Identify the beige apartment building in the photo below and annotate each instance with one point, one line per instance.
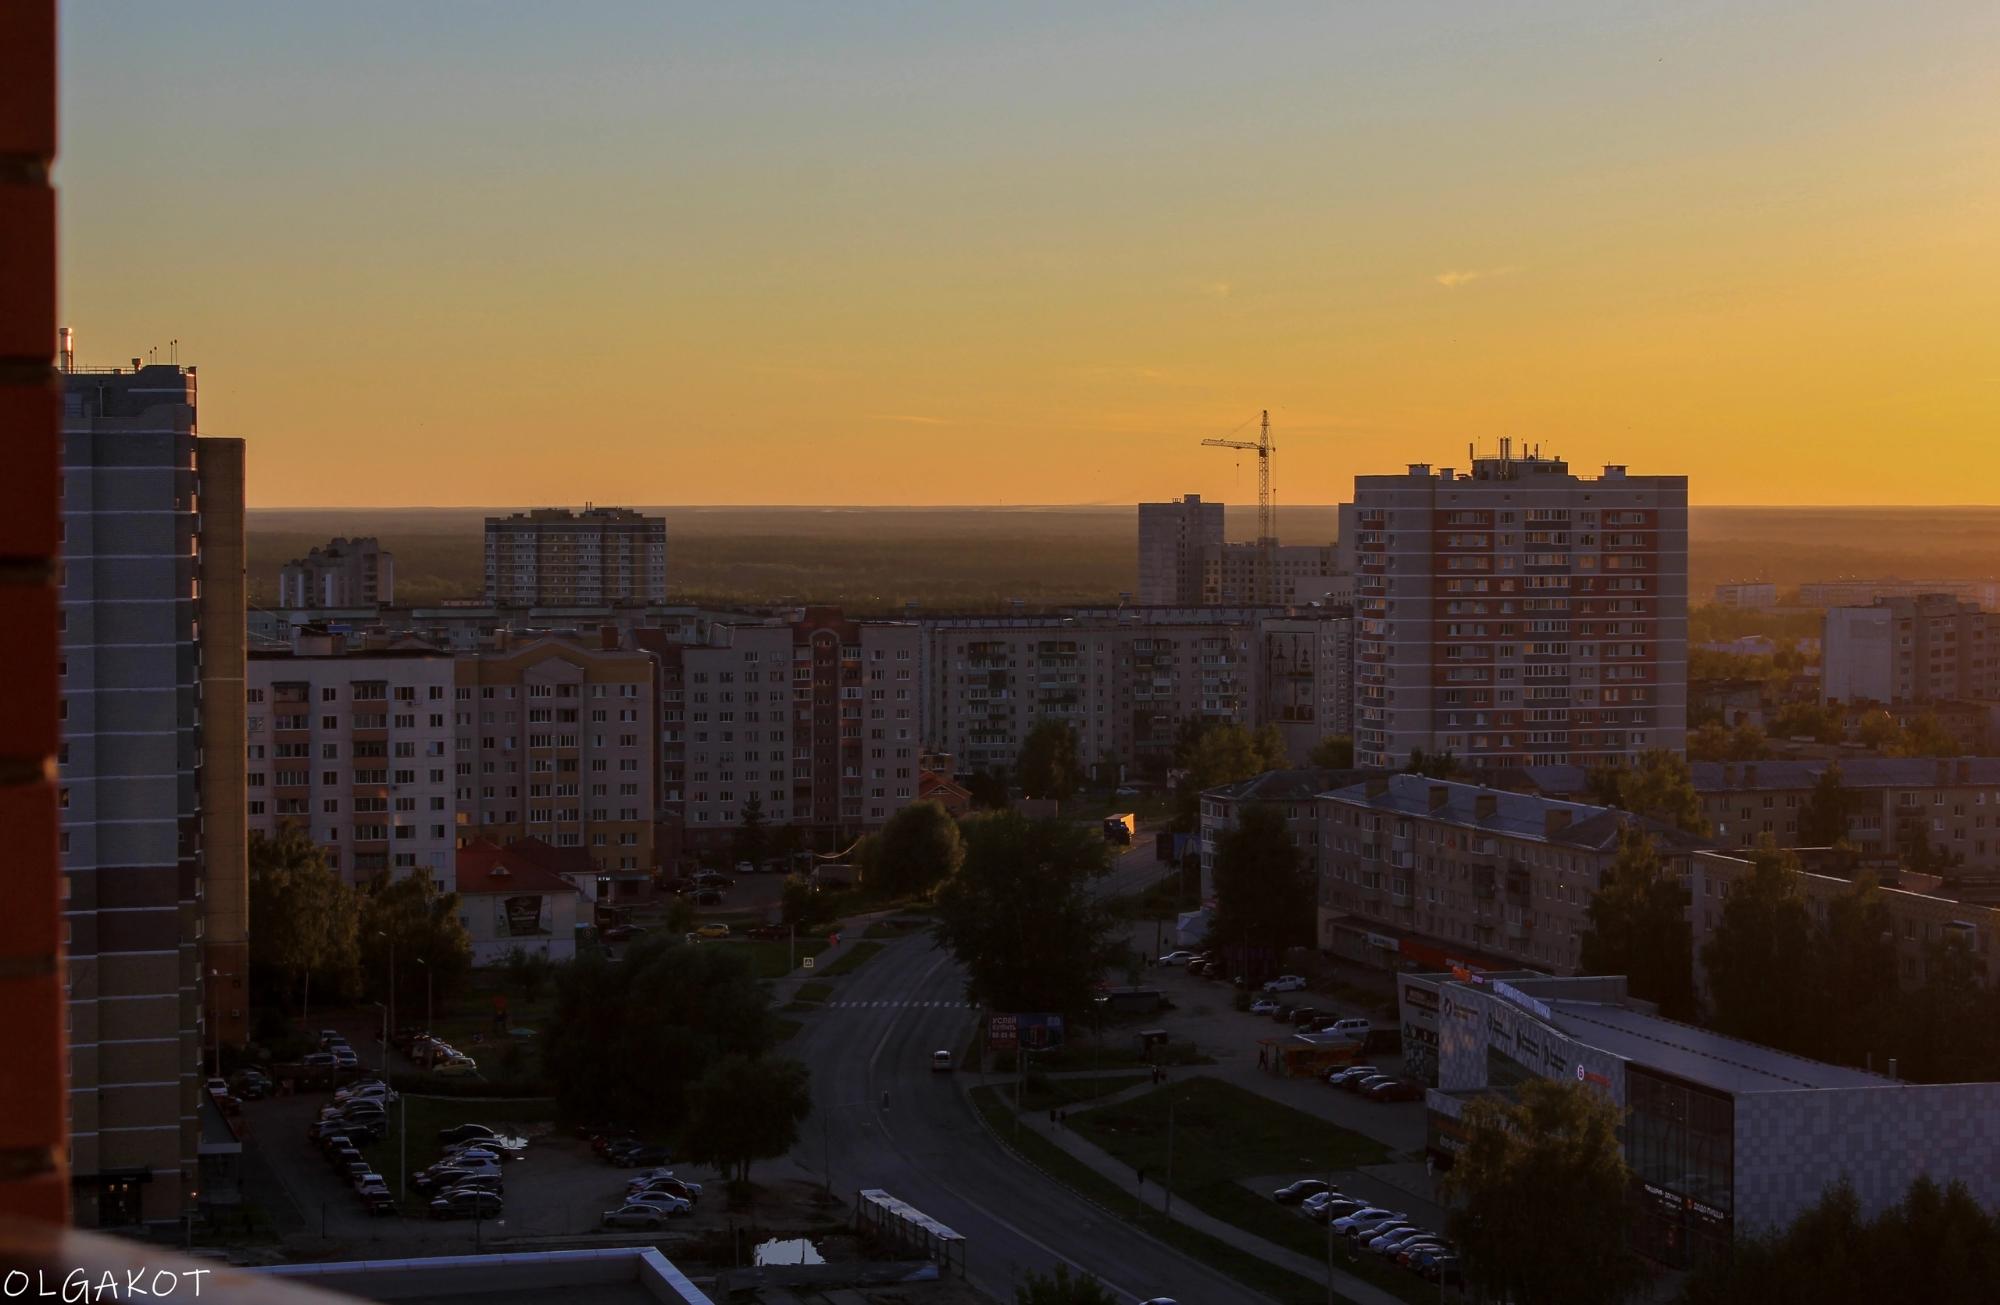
(353, 745)
(552, 557)
(1507, 876)
(555, 738)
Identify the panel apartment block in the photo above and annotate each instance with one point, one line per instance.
(1905, 651)
(554, 740)
(1520, 614)
(353, 746)
(553, 557)
(1175, 542)
(343, 573)
(139, 605)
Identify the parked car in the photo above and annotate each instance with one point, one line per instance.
(1340, 1077)
(620, 932)
(465, 1132)
(318, 1060)
(254, 1085)
(1285, 983)
(608, 1144)
(712, 931)
(1330, 1205)
(1366, 1222)
(456, 1067)
(644, 1217)
(1181, 957)
(642, 1155)
(665, 1202)
(1304, 1017)
(1411, 1254)
(1293, 1193)
(1264, 1006)
(1366, 1081)
(1354, 1030)
(1389, 1233)
(1396, 1089)
(690, 1192)
(766, 932)
(708, 897)
(446, 1177)
(466, 1204)
(641, 1179)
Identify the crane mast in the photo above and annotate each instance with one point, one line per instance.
(1267, 511)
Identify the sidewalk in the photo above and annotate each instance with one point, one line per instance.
(1307, 1267)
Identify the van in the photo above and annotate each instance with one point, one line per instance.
(1354, 1030)
(940, 1062)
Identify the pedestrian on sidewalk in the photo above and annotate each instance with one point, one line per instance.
(1052, 1117)
(1263, 1058)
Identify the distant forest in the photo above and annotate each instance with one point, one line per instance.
(967, 559)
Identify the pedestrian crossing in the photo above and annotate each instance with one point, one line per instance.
(877, 1005)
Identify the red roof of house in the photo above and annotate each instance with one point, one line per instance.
(930, 782)
(485, 867)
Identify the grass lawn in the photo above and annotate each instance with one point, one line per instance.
(1040, 1094)
(1223, 1133)
(426, 1116)
(814, 991)
(786, 1029)
(852, 957)
(772, 959)
(1266, 1279)
(1162, 900)
(1121, 1054)
(471, 1010)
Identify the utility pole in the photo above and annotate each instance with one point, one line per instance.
(1169, 1211)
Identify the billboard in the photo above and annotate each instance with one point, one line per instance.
(525, 916)
(1036, 1032)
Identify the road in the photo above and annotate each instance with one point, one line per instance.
(926, 1147)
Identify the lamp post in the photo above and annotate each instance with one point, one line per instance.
(427, 993)
(389, 1010)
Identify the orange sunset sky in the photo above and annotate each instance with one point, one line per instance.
(924, 253)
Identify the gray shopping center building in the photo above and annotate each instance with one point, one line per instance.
(1723, 1136)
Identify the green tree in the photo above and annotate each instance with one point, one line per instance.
(1748, 742)
(1926, 736)
(1049, 766)
(1759, 962)
(1660, 786)
(751, 839)
(988, 789)
(1060, 1288)
(1019, 914)
(527, 972)
(1823, 820)
(1334, 752)
(303, 916)
(745, 1110)
(1855, 977)
(1709, 743)
(1540, 1192)
(1433, 765)
(628, 1038)
(1219, 754)
(1916, 852)
(1809, 720)
(919, 846)
(1947, 1023)
(1880, 732)
(803, 904)
(1638, 928)
(1264, 890)
(413, 919)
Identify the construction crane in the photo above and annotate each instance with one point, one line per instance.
(1267, 512)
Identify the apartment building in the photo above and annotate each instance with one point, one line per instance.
(1506, 875)
(552, 557)
(554, 738)
(1520, 614)
(152, 818)
(352, 744)
(1294, 793)
(817, 717)
(1124, 679)
(1918, 649)
(1175, 542)
(1861, 593)
(1761, 595)
(1302, 573)
(344, 573)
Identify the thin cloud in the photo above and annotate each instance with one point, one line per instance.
(1453, 280)
(907, 419)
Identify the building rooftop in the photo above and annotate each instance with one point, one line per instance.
(1724, 1063)
(1296, 785)
(1855, 772)
(484, 867)
(1516, 815)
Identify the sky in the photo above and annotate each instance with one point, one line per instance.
(939, 253)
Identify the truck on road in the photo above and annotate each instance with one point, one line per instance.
(1121, 828)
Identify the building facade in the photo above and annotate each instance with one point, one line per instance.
(1505, 875)
(816, 717)
(1520, 614)
(1920, 649)
(1860, 593)
(345, 573)
(352, 745)
(552, 557)
(555, 739)
(152, 842)
(1760, 595)
(510, 901)
(1175, 542)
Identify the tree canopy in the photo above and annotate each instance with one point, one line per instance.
(1829, 807)
(303, 916)
(1060, 1287)
(1759, 961)
(1019, 914)
(1659, 786)
(746, 1109)
(415, 920)
(1638, 928)
(751, 840)
(1264, 889)
(1334, 752)
(1049, 766)
(1540, 1197)
(919, 847)
(1211, 754)
(629, 1037)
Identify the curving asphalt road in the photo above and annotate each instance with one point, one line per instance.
(926, 1147)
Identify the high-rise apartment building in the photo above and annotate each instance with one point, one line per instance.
(353, 746)
(344, 573)
(152, 832)
(1921, 649)
(818, 718)
(556, 739)
(1300, 573)
(1520, 614)
(552, 557)
(1176, 541)
(1125, 679)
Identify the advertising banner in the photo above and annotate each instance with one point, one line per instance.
(525, 916)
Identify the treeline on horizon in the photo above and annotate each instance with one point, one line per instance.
(966, 559)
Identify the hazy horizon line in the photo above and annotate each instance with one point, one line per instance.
(1031, 507)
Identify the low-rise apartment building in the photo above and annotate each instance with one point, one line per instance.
(1125, 678)
(556, 739)
(353, 745)
(1920, 649)
(1509, 875)
(1756, 594)
(1295, 793)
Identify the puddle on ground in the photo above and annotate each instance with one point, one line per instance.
(794, 1250)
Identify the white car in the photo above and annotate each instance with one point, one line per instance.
(667, 1205)
(1181, 957)
(1263, 1006)
(1365, 1218)
(1354, 1030)
(1286, 983)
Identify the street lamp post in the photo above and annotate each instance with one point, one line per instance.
(1169, 1208)
(389, 1010)
(428, 1017)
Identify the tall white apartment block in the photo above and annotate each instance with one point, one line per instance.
(353, 745)
(343, 573)
(553, 557)
(1520, 614)
(1176, 542)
